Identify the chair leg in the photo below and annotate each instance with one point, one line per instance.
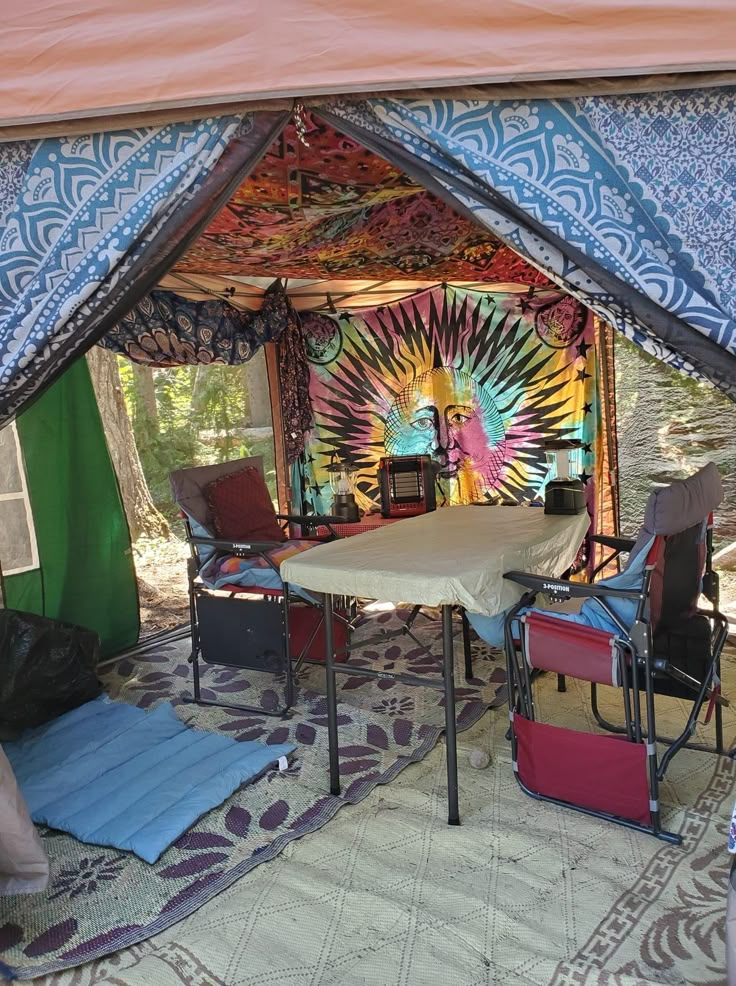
(690, 725)
(652, 749)
(674, 744)
(193, 623)
(281, 713)
(561, 683)
(673, 838)
(719, 729)
(719, 711)
(195, 676)
(286, 644)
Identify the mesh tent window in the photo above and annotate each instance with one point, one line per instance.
(18, 546)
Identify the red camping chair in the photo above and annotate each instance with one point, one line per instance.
(641, 632)
(249, 619)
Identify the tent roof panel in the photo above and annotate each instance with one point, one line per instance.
(97, 57)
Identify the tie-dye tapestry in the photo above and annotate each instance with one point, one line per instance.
(477, 380)
(327, 207)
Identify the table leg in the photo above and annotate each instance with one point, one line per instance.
(331, 697)
(453, 815)
(466, 644)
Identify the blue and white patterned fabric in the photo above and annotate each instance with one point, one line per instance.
(75, 214)
(167, 329)
(644, 187)
(680, 148)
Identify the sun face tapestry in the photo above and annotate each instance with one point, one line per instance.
(478, 381)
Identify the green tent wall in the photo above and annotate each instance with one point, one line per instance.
(86, 574)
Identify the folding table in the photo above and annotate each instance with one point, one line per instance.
(451, 557)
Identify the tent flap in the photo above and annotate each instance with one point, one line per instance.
(554, 180)
(85, 574)
(94, 222)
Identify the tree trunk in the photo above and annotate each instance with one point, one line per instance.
(143, 517)
(259, 398)
(145, 409)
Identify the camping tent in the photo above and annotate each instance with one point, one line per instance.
(620, 190)
(101, 59)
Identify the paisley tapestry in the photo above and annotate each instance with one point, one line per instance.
(324, 206)
(166, 329)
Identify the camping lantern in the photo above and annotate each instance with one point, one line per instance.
(564, 494)
(342, 481)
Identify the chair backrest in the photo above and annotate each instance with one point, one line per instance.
(679, 514)
(188, 486)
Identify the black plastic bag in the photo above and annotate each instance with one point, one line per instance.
(46, 669)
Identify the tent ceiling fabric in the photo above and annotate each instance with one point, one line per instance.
(94, 57)
(329, 208)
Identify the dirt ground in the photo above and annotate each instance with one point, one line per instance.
(161, 566)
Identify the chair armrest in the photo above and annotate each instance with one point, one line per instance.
(618, 544)
(568, 590)
(239, 548)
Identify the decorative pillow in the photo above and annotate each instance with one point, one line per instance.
(242, 509)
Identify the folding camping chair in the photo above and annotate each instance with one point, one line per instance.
(640, 631)
(242, 614)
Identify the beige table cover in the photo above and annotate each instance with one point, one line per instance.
(452, 556)
(24, 865)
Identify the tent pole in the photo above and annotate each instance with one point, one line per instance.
(377, 288)
(283, 482)
(606, 349)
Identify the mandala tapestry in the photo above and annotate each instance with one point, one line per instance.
(166, 329)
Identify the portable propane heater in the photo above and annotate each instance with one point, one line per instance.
(342, 483)
(407, 485)
(564, 494)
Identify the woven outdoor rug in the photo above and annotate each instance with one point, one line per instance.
(521, 894)
(100, 900)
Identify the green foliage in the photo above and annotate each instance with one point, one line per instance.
(201, 418)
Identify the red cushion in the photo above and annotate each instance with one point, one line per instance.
(242, 509)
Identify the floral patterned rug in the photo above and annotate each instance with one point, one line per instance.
(100, 900)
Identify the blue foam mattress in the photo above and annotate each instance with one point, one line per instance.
(115, 775)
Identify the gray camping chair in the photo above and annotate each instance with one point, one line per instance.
(264, 627)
